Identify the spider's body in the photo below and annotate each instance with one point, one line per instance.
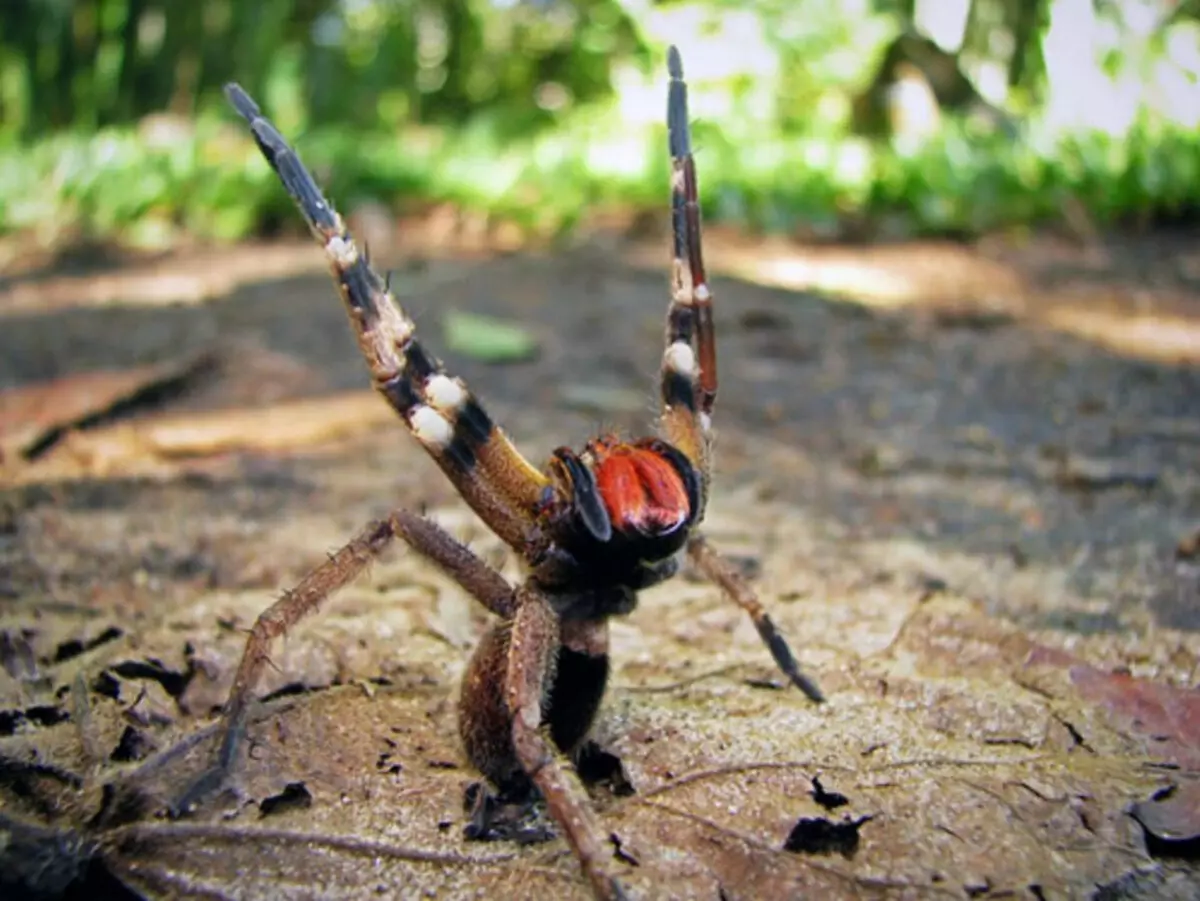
(617, 524)
(624, 510)
(593, 528)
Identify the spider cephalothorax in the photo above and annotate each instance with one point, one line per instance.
(593, 528)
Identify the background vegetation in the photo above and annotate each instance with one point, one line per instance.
(818, 118)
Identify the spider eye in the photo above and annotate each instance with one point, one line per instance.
(643, 491)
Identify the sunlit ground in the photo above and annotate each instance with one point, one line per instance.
(1097, 291)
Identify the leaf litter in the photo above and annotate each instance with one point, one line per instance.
(973, 746)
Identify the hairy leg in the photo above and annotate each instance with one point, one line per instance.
(440, 410)
(689, 364)
(533, 648)
(424, 536)
(722, 572)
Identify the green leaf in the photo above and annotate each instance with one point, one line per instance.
(487, 339)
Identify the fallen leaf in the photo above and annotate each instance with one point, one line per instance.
(127, 448)
(32, 416)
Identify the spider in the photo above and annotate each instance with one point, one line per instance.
(593, 528)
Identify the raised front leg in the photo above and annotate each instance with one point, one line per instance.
(689, 363)
(441, 412)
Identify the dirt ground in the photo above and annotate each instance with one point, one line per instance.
(966, 481)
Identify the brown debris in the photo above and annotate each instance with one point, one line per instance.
(162, 443)
(32, 415)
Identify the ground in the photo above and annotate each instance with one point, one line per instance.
(966, 481)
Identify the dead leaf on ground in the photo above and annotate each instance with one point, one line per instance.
(160, 443)
(31, 416)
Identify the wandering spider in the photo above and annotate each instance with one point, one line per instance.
(592, 529)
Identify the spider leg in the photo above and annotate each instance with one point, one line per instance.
(532, 651)
(689, 366)
(478, 458)
(424, 536)
(715, 567)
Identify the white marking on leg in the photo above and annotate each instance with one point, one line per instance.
(393, 323)
(342, 251)
(703, 295)
(705, 422)
(681, 282)
(679, 357)
(444, 393)
(430, 427)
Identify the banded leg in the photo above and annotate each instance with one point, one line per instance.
(533, 648)
(424, 536)
(721, 571)
(478, 458)
(689, 366)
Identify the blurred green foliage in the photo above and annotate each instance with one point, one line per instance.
(112, 123)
